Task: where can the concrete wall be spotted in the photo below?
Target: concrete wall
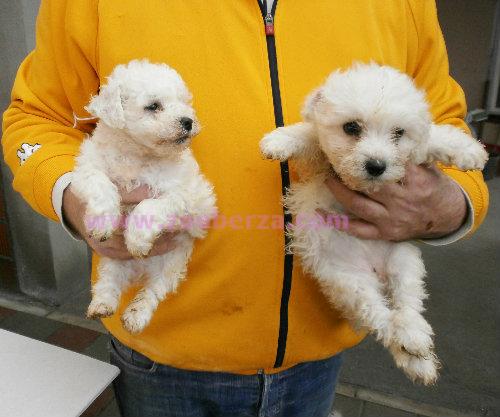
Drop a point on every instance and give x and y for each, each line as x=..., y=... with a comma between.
x=467, y=27
x=50, y=265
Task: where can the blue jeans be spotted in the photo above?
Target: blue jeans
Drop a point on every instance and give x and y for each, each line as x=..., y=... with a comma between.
x=147, y=389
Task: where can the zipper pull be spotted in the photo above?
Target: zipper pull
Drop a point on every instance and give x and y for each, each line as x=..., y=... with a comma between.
x=269, y=22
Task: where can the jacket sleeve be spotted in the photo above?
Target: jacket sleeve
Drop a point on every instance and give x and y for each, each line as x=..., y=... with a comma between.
x=41, y=135
x=429, y=66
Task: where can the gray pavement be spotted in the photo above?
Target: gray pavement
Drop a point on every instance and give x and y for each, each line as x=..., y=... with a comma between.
x=67, y=333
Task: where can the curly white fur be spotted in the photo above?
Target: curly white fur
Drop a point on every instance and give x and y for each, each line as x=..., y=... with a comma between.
x=146, y=124
x=369, y=114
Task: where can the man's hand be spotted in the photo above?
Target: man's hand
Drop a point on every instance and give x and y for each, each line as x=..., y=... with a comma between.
x=74, y=212
x=427, y=204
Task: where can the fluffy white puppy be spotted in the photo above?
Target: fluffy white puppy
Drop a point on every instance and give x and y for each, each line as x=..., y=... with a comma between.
x=368, y=123
x=146, y=125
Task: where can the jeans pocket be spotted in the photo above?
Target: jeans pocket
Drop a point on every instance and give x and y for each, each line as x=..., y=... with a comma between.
x=123, y=356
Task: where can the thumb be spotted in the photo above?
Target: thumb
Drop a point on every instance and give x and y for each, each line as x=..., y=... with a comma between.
x=135, y=196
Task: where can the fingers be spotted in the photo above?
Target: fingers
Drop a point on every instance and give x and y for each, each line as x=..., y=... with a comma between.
x=363, y=230
x=415, y=177
x=163, y=244
x=115, y=247
x=111, y=253
x=415, y=185
x=355, y=227
x=355, y=203
x=388, y=192
x=135, y=196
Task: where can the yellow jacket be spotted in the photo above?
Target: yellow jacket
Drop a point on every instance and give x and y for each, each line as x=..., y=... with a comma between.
x=239, y=310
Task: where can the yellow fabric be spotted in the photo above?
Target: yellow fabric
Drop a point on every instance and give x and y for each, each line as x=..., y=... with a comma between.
x=226, y=315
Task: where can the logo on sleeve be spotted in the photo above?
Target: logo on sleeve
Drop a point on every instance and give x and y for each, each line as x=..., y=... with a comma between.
x=26, y=151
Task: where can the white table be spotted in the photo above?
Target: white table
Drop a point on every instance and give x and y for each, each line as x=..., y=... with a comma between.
x=41, y=380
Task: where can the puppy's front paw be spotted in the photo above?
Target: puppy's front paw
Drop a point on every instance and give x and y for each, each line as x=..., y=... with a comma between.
x=275, y=145
x=472, y=157
x=102, y=222
x=139, y=241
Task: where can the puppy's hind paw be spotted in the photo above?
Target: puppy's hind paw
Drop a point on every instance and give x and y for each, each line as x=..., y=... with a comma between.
x=135, y=319
x=412, y=334
x=419, y=369
x=99, y=309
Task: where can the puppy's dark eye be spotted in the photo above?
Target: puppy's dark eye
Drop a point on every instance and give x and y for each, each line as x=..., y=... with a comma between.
x=397, y=133
x=353, y=128
x=156, y=106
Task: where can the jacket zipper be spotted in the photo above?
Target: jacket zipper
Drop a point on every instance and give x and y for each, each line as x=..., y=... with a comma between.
x=268, y=16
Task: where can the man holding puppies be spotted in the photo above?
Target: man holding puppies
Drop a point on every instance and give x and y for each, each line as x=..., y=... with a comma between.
x=248, y=333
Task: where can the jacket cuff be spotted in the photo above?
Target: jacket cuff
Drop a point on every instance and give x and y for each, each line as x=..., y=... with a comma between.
x=57, y=201
x=45, y=176
x=476, y=190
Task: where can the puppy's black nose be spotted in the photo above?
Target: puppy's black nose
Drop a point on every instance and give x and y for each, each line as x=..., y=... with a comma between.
x=375, y=167
x=187, y=123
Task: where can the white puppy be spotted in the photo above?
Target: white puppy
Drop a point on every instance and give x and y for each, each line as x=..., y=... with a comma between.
x=146, y=125
x=368, y=123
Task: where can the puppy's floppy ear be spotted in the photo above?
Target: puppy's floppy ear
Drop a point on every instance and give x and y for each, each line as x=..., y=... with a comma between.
x=107, y=105
x=312, y=100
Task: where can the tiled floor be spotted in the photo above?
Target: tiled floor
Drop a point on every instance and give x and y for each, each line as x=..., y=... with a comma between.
x=94, y=344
